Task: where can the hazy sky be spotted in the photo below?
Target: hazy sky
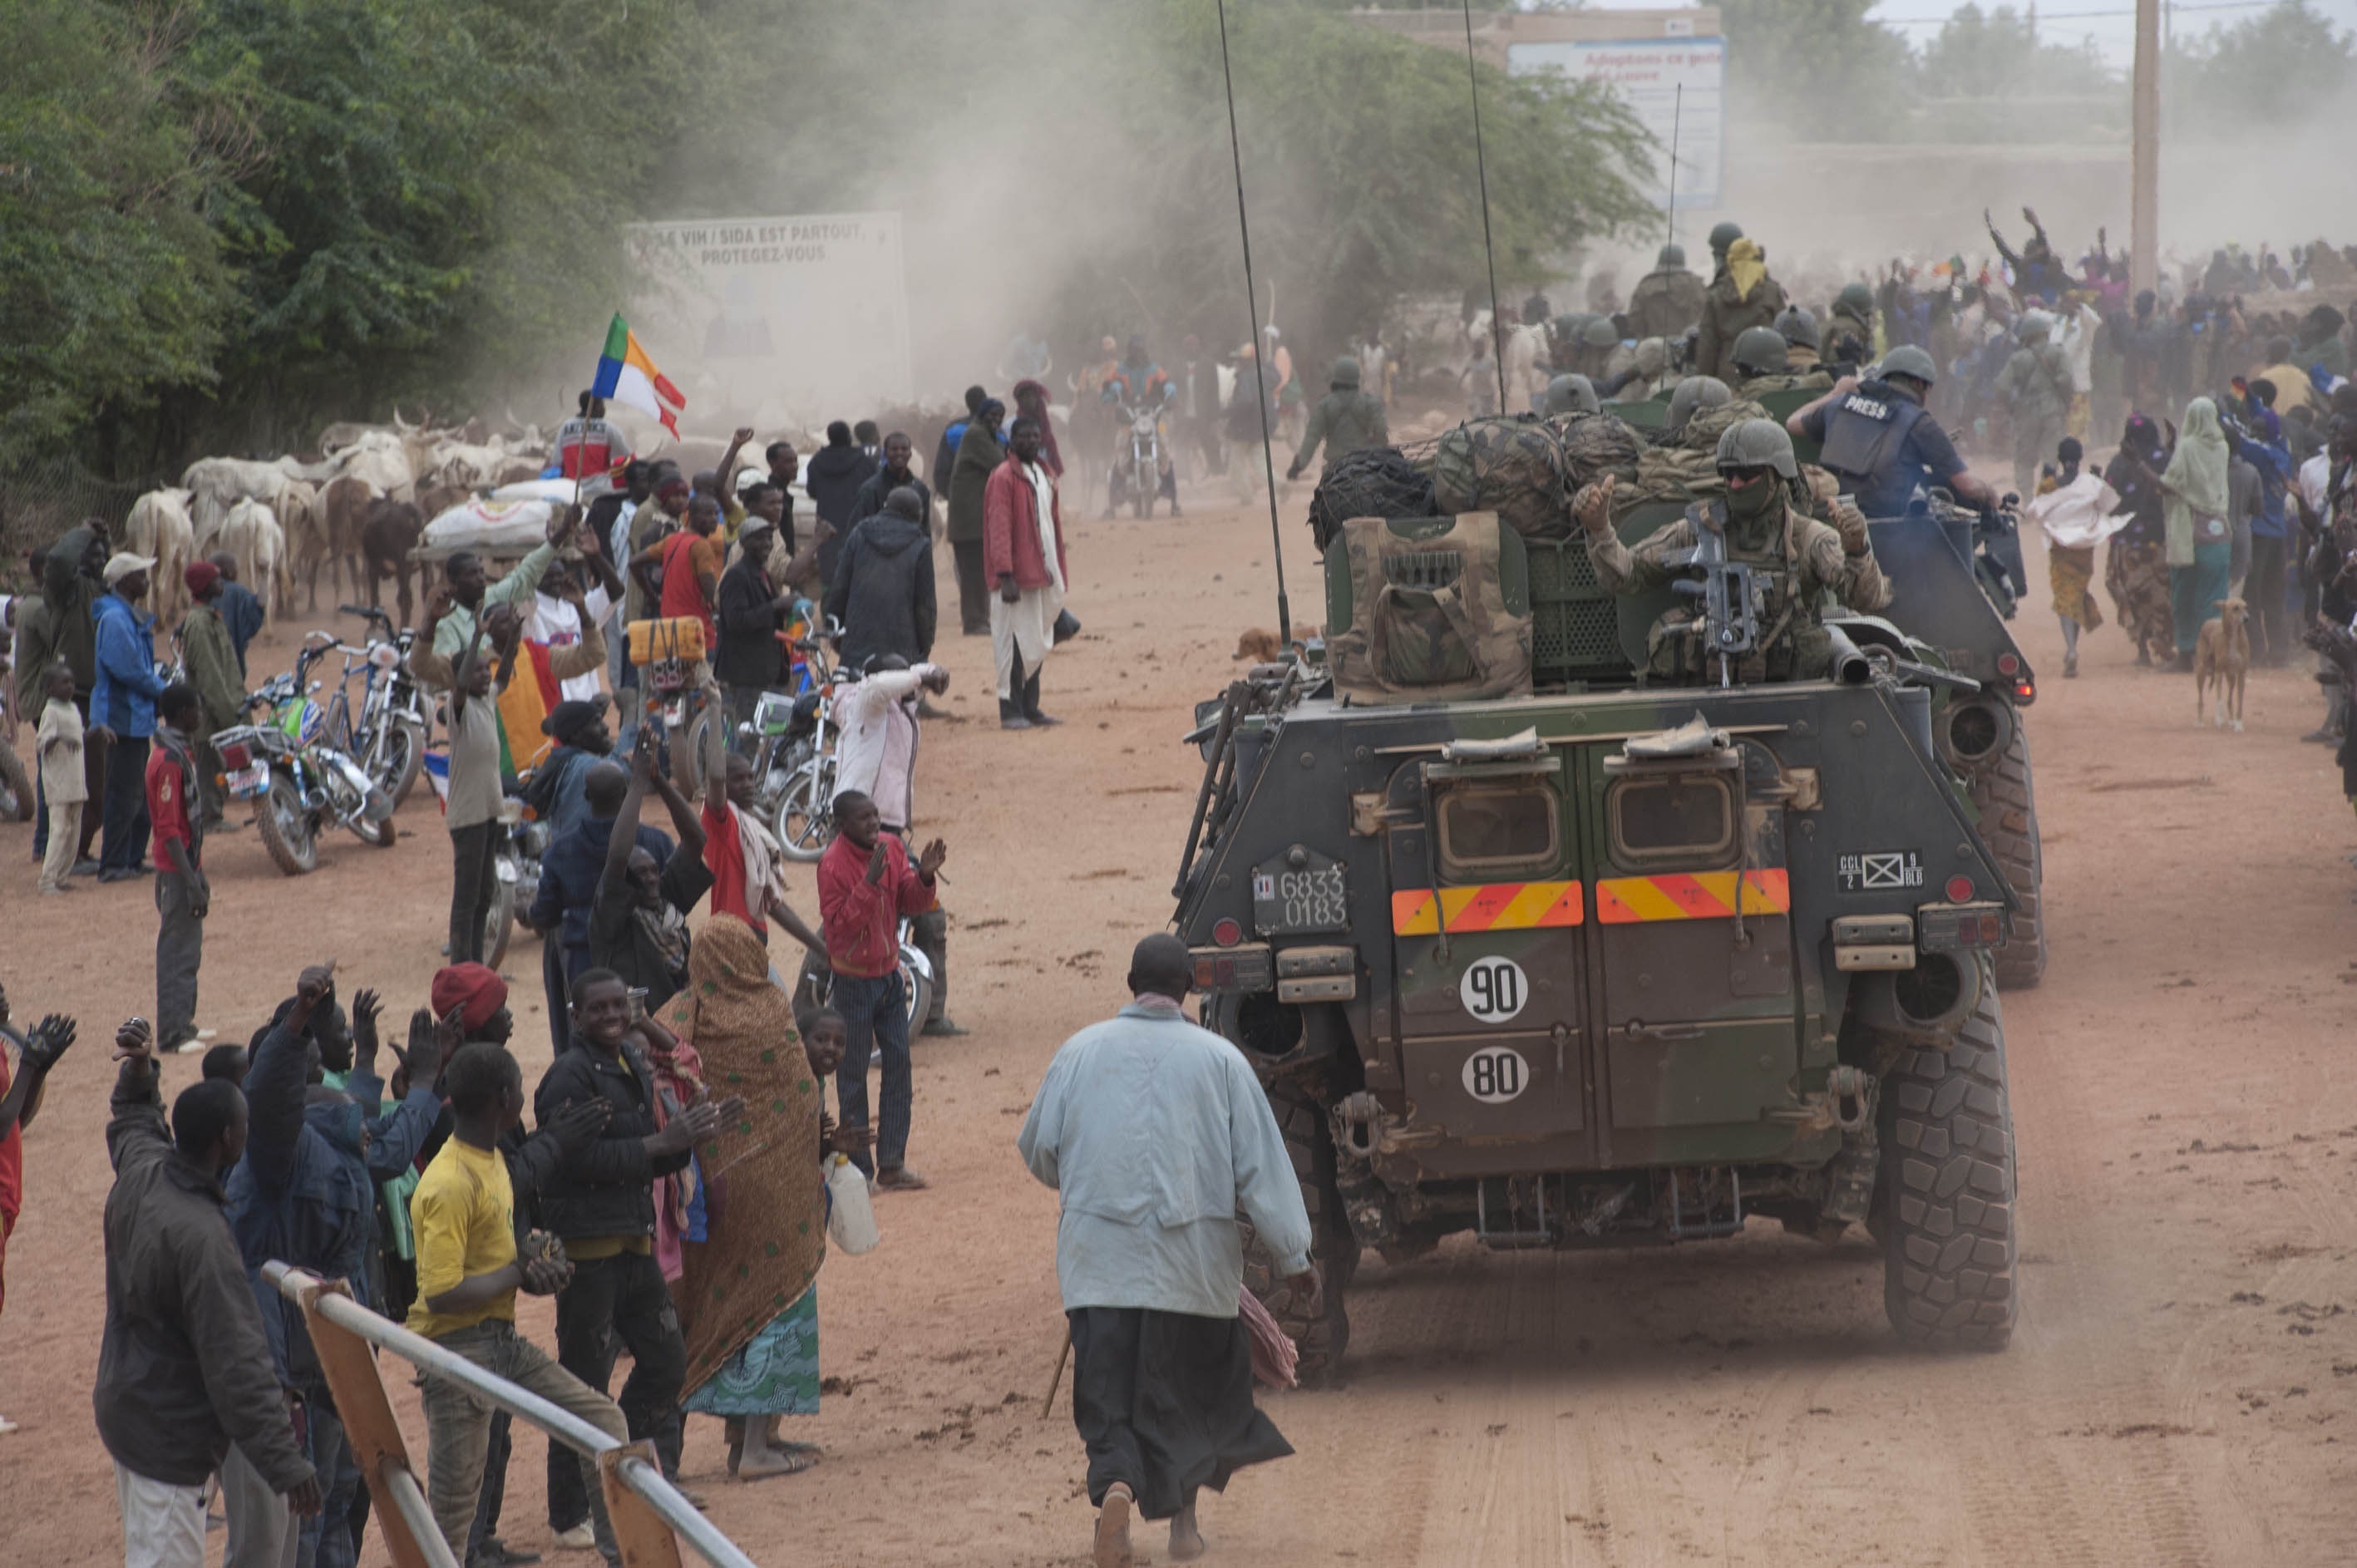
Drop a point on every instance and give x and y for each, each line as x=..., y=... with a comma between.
x=2111, y=23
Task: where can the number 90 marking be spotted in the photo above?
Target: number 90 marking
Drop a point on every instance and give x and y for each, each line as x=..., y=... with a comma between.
x=1493, y=989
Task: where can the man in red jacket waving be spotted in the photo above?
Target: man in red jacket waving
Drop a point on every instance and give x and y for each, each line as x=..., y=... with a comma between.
x=866, y=883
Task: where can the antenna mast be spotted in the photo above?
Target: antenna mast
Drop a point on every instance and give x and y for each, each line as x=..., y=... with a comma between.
x=1260, y=361
x=1677, y=113
x=1481, y=164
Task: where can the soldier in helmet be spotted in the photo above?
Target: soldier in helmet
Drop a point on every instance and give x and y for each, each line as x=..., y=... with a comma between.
x=1345, y=419
x=1799, y=330
x=2037, y=386
x=1596, y=341
x=1647, y=376
x=1761, y=356
x=1846, y=342
x=1691, y=396
x=1743, y=296
x=1763, y=527
x=1572, y=393
x=1878, y=440
x=1667, y=300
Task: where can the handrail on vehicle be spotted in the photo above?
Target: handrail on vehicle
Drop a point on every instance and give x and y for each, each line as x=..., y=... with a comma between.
x=649, y=1516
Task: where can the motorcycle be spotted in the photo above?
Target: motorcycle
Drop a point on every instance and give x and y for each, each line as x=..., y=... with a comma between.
x=1137, y=462
x=515, y=867
x=390, y=737
x=814, y=988
x=791, y=736
x=298, y=781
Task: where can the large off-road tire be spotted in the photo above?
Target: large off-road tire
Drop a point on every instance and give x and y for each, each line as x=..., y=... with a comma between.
x=1321, y=1339
x=1946, y=1192
x=2008, y=799
x=16, y=794
x=283, y=824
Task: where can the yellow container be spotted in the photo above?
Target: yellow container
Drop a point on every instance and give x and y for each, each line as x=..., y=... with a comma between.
x=675, y=637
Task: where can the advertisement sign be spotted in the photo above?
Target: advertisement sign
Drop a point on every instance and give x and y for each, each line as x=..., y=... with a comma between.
x=1648, y=74
x=772, y=320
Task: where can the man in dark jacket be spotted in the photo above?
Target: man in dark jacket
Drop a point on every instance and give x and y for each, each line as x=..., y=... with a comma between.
x=978, y=456
x=751, y=612
x=571, y=865
x=945, y=454
x=898, y=472
x=882, y=591
x=1345, y=419
x=184, y=1365
x=305, y=1194
x=601, y=1205
x=836, y=472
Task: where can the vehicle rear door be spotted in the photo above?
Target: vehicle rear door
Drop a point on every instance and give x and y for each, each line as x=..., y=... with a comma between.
x=1489, y=995
x=1693, y=942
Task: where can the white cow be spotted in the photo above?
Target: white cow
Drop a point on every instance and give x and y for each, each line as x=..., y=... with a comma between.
x=251, y=532
x=159, y=525
x=218, y=484
x=378, y=457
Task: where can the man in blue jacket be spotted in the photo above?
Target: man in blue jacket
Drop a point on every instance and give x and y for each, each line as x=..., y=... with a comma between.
x=306, y=1193
x=122, y=705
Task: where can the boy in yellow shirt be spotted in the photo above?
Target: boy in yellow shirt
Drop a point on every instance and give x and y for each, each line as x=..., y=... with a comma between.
x=469, y=1270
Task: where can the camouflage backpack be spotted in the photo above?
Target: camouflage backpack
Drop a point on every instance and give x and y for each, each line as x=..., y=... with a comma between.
x=1428, y=616
x=1511, y=465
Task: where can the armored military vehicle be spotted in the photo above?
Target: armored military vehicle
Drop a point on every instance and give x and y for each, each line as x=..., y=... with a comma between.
x=1601, y=963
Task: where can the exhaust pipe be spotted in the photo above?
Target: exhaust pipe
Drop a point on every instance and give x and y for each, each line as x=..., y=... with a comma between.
x=1926, y=1004
x=1850, y=667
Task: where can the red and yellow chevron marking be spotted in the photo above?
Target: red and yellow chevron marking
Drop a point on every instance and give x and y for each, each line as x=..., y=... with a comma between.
x=1493, y=907
x=1690, y=895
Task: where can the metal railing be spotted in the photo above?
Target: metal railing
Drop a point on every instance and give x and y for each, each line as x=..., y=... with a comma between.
x=650, y=1515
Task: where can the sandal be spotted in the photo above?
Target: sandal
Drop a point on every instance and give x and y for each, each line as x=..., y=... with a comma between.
x=797, y=1458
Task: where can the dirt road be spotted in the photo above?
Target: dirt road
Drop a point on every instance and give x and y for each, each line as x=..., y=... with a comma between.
x=2179, y=1391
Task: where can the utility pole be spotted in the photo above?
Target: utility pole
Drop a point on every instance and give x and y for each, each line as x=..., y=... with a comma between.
x=2144, y=202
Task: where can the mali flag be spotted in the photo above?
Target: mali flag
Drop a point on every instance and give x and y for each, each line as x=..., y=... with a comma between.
x=626, y=375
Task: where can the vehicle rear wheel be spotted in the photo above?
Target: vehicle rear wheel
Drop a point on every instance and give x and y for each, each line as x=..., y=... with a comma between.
x=1947, y=1189
x=283, y=824
x=2008, y=799
x=376, y=835
x=1321, y=1339
x=804, y=824
x=17, y=796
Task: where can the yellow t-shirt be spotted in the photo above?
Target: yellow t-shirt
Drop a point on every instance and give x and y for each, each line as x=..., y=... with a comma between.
x=463, y=1216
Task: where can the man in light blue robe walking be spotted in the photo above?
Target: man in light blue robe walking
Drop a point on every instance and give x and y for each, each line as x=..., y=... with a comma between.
x=1156, y=1133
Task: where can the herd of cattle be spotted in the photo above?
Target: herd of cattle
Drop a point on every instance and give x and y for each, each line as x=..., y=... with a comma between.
x=358, y=509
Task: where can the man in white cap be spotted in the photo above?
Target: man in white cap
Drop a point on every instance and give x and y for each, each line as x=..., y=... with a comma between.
x=123, y=707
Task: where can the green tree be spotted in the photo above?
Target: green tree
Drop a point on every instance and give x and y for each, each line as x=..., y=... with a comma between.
x=1822, y=68
x=2278, y=68
x=112, y=288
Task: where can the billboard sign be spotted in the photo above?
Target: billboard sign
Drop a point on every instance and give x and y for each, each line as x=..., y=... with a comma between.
x=1648, y=74
x=775, y=320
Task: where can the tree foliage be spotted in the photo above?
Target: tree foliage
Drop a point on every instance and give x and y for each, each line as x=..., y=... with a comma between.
x=1820, y=67
x=2283, y=66
x=1998, y=53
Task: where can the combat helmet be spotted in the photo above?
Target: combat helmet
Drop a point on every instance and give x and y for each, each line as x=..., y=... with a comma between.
x=1670, y=256
x=1346, y=374
x=1599, y=332
x=1759, y=350
x=1723, y=234
x=1797, y=326
x=1855, y=299
x=1757, y=443
x=1908, y=359
x=1570, y=394
x=1695, y=394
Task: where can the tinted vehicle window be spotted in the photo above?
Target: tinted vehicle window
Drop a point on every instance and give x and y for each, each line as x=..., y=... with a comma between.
x=1687, y=818
x=1487, y=829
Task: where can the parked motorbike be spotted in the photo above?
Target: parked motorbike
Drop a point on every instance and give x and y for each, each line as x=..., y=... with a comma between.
x=298, y=781
x=515, y=865
x=792, y=737
x=390, y=735
x=814, y=988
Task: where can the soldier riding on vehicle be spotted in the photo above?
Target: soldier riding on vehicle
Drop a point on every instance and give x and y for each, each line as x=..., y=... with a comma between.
x=1880, y=442
x=1755, y=546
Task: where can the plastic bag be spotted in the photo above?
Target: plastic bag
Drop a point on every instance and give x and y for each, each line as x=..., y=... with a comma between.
x=851, y=1217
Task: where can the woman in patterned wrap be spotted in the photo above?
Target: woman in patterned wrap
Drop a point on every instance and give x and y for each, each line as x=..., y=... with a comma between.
x=748, y=1293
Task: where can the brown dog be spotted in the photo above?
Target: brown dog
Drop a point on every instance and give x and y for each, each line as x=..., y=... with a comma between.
x=1260, y=644
x=2224, y=655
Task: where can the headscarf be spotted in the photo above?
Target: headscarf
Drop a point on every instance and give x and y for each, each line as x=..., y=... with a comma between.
x=766, y=1219
x=473, y=988
x=1745, y=266
x=2194, y=485
x=1036, y=405
x=201, y=576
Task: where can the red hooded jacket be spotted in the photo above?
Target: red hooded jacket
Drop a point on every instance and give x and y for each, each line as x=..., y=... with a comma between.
x=1011, y=530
